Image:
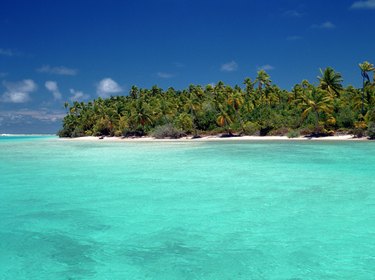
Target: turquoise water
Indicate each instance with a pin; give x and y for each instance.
(186, 210)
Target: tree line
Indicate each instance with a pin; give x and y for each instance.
(259, 107)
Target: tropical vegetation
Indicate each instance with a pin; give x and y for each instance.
(259, 107)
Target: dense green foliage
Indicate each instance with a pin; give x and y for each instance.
(258, 108)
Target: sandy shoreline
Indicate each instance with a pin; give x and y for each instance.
(217, 138)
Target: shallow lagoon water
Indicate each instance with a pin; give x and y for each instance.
(186, 210)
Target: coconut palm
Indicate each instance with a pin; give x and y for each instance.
(330, 81)
(192, 106)
(224, 118)
(235, 101)
(263, 79)
(249, 86)
(260, 103)
(134, 92)
(316, 102)
(140, 115)
(365, 67)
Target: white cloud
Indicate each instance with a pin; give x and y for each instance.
(229, 67)
(324, 25)
(52, 87)
(18, 92)
(165, 75)
(15, 97)
(293, 13)
(266, 67)
(58, 70)
(24, 85)
(6, 52)
(78, 95)
(41, 114)
(107, 87)
(368, 4)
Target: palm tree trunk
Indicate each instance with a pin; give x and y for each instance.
(316, 121)
(363, 97)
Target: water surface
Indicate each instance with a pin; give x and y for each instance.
(186, 210)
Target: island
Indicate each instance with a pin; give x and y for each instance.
(259, 108)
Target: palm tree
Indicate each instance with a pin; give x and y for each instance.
(259, 102)
(141, 115)
(249, 86)
(365, 67)
(235, 100)
(223, 118)
(66, 105)
(316, 102)
(263, 79)
(192, 106)
(165, 108)
(134, 92)
(330, 81)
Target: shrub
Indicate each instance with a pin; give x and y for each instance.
(64, 132)
(118, 133)
(343, 131)
(345, 118)
(235, 127)
(206, 118)
(360, 129)
(77, 132)
(328, 132)
(167, 131)
(264, 130)
(371, 130)
(279, 132)
(102, 126)
(293, 134)
(215, 131)
(306, 131)
(371, 115)
(250, 128)
(184, 122)
(133, 132)
(88, 133)
(358, 132)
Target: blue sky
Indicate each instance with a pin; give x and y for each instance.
(57, 51)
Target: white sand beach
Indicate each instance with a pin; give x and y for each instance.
(218, 138)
